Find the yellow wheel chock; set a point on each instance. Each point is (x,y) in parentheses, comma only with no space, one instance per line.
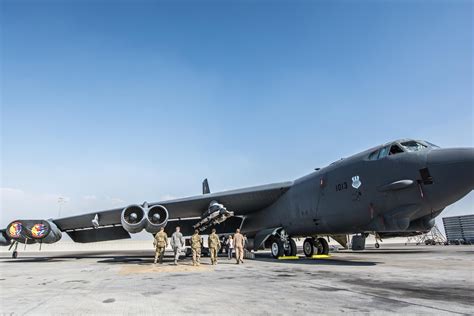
(288,258)
(297,257)
(321,256)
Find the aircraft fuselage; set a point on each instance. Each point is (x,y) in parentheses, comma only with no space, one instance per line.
(403,191)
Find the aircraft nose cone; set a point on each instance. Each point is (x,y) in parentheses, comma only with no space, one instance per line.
(452,170)
(462,156)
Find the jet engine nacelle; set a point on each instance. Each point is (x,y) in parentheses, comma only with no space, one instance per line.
(135,218)
(157,217)
(30,231)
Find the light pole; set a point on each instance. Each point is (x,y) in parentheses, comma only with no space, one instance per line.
(61,201)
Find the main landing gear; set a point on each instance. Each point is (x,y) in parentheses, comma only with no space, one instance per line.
(318,246)
(283,245)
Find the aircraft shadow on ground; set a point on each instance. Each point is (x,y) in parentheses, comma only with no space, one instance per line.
(387,251)
(31,260)
(326,262)
(146,260)
(127,260)
(77,256)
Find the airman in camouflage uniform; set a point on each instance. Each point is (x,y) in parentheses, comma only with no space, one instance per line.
(214,246)
(196,244)
(239,244)
(160,243)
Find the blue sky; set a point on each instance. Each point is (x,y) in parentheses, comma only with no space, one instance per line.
(107,103)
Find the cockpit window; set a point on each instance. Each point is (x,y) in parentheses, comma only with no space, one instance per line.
(383,152)
(412,145)
(432,145)
(395,149)
(374,155)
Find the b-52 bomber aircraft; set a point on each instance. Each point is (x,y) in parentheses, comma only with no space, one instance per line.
(398,187)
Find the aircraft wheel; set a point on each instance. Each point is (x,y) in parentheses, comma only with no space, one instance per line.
(188,252)
(322,246)
(14,254)
(377,245)
(277,249)
(292,249)
(308,247)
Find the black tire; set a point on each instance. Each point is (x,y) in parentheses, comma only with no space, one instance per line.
(322,246)
(377,245)
(188,252)
(308,247)
(277,249)
(14,254)
(292,249)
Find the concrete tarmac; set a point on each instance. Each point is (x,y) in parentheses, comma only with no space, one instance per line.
(395,279)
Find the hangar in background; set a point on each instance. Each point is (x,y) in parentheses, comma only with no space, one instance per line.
(459,228)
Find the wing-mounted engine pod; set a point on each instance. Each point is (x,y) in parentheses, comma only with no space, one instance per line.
(54,234)
(133,218)
(157,217)
(44,231)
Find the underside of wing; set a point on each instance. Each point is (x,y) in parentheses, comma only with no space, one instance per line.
(185,211)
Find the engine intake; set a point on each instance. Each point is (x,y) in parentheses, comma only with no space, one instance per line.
(157,217)
(133,218)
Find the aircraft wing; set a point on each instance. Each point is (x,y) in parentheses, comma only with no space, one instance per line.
(240,201)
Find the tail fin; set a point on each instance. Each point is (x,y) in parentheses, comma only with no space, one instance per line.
(205,187)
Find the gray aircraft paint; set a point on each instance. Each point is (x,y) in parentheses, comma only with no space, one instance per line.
(401,193)
(389,198)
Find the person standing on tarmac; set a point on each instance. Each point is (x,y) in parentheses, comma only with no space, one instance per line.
(214,246)
(177,243)
(239,246)
(230,246)
(160,243)
(196,245)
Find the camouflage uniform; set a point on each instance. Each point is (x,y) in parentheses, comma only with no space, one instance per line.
(214,245)
(196,244)
(177,242)
(239,247)
(160,243)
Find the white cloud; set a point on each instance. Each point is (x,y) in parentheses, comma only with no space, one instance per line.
(167,197)
(17,203)
(11,193)
(20,204)
(54,198)
(114,201)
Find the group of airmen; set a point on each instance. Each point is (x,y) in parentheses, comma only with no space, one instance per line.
(177,244)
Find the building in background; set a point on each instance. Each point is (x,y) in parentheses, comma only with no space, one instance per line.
(459,228)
